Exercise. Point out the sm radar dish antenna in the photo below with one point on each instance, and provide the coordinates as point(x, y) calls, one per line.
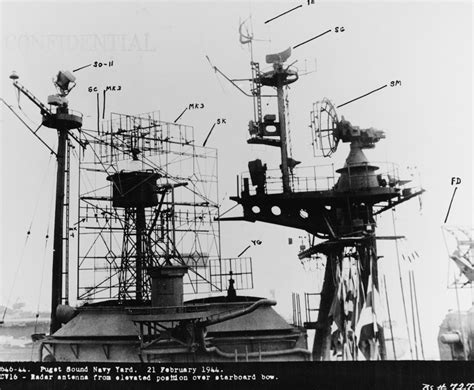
point(328, 130)
point(324, 123)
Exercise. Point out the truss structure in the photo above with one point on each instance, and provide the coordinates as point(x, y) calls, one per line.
point(119, 242)
point(461, 264)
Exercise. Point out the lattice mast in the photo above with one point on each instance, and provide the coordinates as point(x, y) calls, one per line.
point(267, 130)
point(153, 204)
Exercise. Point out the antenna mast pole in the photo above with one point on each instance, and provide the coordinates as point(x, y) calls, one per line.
point(62, 120)
point(260, 132)
point(281, 77)
point(57, 279)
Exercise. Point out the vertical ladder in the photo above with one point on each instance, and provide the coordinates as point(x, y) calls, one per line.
point(257, 91)
point(65, 298)
point(310, 323)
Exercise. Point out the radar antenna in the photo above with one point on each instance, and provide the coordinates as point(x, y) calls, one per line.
point(328, 130)
point(63, 120)
point(323, 124)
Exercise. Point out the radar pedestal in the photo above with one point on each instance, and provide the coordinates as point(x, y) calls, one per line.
point(134, 191)
point(357, 174)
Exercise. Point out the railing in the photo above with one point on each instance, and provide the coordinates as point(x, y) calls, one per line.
point(74, 112)
point(321, 178)
point(303, 179)
point(60, 110)
point(311, 304)
point(324, 178)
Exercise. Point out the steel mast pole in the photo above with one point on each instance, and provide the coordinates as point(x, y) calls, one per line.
point(57, 274)
point(63, 121)
point(281, 77)
point(140, 226)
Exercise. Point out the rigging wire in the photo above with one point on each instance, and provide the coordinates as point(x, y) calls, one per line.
point(401, 283)
point(43, 261)
point(93, 150)
point(418, 316)
point(196, 192)
point(217, 77)
point(16, 275)
point(28, 234)
point(447, 251)
point(41, 283)
point(389, 318)
point(21, 108)
point(27, 126)
point(46, 174)
point(413, 314)
point(26, 116)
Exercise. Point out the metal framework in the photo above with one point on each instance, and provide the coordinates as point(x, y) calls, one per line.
point(338, 211)
point(118, 241)
point(461, 273)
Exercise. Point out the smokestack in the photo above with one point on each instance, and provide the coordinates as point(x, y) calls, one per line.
point(167, 285)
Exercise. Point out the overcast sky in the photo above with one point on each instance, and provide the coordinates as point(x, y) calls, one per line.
point(159, 52)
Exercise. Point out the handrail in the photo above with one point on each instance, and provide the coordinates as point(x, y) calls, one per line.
point(324, 178)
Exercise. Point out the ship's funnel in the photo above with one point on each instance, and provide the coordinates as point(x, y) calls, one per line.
point(167, 285)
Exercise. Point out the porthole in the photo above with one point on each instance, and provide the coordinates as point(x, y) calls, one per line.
point(304, 214)
point(276, 210)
